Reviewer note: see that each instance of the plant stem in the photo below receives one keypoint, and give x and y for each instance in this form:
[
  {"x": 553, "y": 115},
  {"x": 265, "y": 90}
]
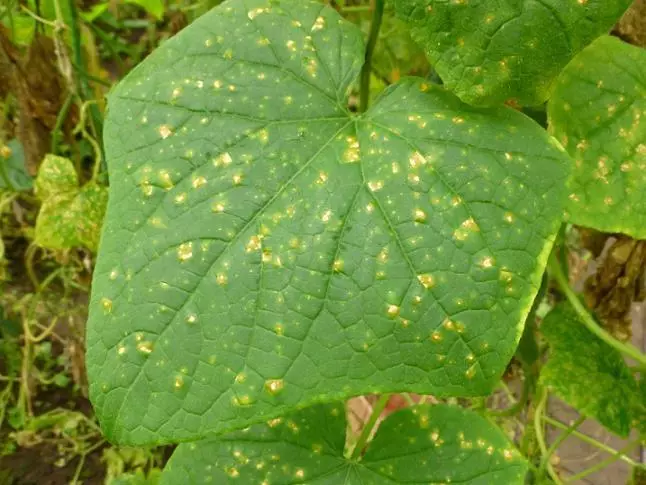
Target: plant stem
[
  {"x": 366, "y": 72},
  {"x": 377, "y": 409},
  {"x": 591, "y": 441},
  {"x": 518, "y": 406},
  {"x": 602, "y": 464},
  {"x": 538, "y": 425},
  {"x": 545, "y": 461},
  {"x": 60, "y": 119},
  {"x": 586, "y": 318}
]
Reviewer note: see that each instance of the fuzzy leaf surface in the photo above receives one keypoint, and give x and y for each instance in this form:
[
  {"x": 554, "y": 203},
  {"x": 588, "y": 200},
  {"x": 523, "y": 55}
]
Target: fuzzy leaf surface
[
  {"x": 587, "y": 373},
  {"x": 427, "y": 444},
  {"x": 265, "y": 249},
  {"x": 489, "y": 52},
  {"x": 596, "y": 113}
]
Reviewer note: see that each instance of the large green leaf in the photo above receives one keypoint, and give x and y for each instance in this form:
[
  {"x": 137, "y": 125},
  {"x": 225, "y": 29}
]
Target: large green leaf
[
  {"x": 69, "y": 216},
  {"x": 587, "y": 373},
  {"x": 438, "y": 444},
  {"x": 266, "y": 249},
  {"x": 596, "y": 112},
  {"x": 492, "y": 51}
]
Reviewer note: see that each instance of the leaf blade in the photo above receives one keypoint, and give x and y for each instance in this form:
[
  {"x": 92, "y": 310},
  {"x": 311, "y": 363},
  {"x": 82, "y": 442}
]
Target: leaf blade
[
  {"x": 426, "y": 444},
  {"x": 595, "y": 111},
  {"x": 587, "y": 373},
  {"x": 251, "y": 263},
  {"x": 518, "y": 50}
]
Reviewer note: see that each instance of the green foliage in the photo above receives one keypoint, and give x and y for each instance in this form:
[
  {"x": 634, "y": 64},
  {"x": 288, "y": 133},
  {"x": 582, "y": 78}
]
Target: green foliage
[
  {"x": 596, "y": 112},
  {"x": 69, "y": 216},
  {"x": 13, "y": 173},
  {"x": 489, "y": 52},
  {"x": 587, "y": 373},
  {"x": 153, "y": 7},
  {"x": 443, "y": 444},
  {"x": 266, "y": 249}
]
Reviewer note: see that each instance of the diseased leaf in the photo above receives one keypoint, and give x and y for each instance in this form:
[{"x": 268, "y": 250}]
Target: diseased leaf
[
  {"x": 596, "y": 112},
  {"x": 426, "y": 444},
  {"x": 587, "y": 373},
  {"x": 56, "y": 175},
  {"x": 69, "y": 217},
  {"x": 489, "y": 52},
  {"x": 265, "y": 249},
  {"x": 12, "y": 158}
]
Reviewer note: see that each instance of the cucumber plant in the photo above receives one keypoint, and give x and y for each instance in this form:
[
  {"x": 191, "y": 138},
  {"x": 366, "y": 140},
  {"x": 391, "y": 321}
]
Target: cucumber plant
[{"x": 270, "y": 250}]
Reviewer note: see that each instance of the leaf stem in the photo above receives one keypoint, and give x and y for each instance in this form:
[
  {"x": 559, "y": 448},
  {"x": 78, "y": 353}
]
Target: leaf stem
[
  {"x": 539, "y": 430},
  {"x": 366, "y": 72},
  {"x": 60, "y": 119},
  {"x": 518, "y": 406},
  {"x": 377, "y": 409},
  {"x": 587, "y": 319},
  {"x": 602, "y": 464},
  {"x": 545, "y": 461},
  {"x": 591, "y": 441}
]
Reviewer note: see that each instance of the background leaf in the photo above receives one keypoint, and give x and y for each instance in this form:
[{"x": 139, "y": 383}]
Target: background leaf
[
  {"x": 69, "y": 217},
  {"x": 596, "y": 112},
  {"x": 13, "y": 160},
  {"x": 587, "y": 373},
  {"x": 265, "y": 249},
  {"x": 490, "y": 52},
  {"x": 426, "y": 444},
  {"x": 56, "y": 176},
  {"x": 153, "y": 7}
]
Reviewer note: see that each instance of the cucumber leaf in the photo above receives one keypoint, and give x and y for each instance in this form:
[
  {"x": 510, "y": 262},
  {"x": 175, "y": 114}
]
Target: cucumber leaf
[
  {"x": 265, "y": 249},
  {"x": 425, "y": 444},
  {"x": 69, "y": 216},
  {"x": 587, "y": 373},
  {"x": 596, "y": 113},
  {"x": 489, "y": 52}
]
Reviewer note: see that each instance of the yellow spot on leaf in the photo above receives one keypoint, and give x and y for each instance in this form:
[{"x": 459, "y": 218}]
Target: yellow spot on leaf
[{"x": 185, "y": 251}]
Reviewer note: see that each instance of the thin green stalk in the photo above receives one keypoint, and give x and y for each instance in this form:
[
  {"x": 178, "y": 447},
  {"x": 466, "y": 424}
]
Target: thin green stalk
[
  {"x": 60, "y": 119},
  {"x": 79, "y": 60},
  {"x": 545, "y": 462},
  {"x": 602, "y": 464},
  {"x": 377, "y": 17},
  {"x": 518, "y": 406},
  {"x": 377, "y": 409},
  {"x": 591, "y": 441},
  {"x": 539, "y": 431},
  {"x": 538, "y": 424},
  {"x": 409, "y": 400},
  {"x": 586, "y": 318}
]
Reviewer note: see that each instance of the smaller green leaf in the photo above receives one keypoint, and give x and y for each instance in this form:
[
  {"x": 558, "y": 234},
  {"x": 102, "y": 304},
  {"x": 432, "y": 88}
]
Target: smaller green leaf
[
  {"x": 425, "y": 444},
  {"x": 12, "y": 158},
  {"x": 153, "y": 7},
  {"x": 586, "y": 372},
  {"x": 596, "y": 112},
  {"x": 94, "y": 12},
  {"x": 489, "y": 52},
  {"x": 56, "y": 176},
  {"x": 69, "y": 216}
]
